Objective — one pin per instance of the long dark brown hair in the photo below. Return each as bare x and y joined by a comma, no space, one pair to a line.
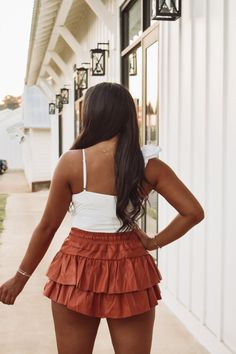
109,110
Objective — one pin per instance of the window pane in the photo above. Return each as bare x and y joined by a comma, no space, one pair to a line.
152,94
151,120
135,82
134,22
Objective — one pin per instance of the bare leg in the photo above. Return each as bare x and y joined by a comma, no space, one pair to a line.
132,334
75,332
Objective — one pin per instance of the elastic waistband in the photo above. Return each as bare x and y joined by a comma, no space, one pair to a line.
109,236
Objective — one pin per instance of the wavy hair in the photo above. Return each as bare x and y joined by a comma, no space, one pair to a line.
109,110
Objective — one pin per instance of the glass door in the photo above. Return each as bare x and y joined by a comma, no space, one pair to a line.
150,113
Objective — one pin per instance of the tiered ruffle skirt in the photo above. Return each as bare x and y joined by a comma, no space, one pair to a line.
103,275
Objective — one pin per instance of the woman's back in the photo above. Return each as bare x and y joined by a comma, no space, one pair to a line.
93,190
100,169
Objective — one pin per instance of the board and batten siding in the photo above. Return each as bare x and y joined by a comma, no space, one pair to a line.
197,136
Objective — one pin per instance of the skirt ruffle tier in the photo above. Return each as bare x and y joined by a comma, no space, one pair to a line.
103,275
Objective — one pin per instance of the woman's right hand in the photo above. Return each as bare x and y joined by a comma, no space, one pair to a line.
11,289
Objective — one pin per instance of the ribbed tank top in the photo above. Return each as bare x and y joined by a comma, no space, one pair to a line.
96,212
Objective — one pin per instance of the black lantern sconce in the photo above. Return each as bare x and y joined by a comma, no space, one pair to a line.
64,95
133,64
59,104
51,108
81,78
98,56
166,10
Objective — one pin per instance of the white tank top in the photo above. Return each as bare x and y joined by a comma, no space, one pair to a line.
96,212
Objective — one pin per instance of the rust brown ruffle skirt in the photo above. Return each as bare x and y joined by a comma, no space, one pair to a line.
103,275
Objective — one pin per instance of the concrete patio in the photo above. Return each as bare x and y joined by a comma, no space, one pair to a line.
27,327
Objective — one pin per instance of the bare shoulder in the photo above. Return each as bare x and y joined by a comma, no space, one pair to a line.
158,171
68,162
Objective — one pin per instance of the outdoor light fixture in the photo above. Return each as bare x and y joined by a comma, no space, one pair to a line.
52,108
59,103
133,64
168,10
81,78
98,56
65,95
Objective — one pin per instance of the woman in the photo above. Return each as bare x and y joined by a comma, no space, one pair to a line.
103,268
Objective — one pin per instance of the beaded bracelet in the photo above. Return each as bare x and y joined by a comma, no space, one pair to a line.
155,242
23,272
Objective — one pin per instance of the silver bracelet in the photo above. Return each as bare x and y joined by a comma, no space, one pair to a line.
23,273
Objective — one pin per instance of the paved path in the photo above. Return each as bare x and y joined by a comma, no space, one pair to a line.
27,326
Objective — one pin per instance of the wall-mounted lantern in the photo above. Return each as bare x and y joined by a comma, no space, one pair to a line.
59,104
52,108
98,56
81,78
133,64
168,10
65,95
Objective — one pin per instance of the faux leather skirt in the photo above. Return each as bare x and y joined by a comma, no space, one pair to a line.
106,275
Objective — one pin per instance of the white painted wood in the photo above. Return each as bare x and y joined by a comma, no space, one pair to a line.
51,72
43,89
62,65
198,115
214,157
44,84
200,145
37,162
71,41
101,11
228,331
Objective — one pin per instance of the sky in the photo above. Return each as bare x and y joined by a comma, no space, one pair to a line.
15,23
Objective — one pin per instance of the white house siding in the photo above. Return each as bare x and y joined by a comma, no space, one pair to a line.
37,152
10,149
197,134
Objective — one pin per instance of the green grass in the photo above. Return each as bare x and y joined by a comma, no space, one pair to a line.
3,199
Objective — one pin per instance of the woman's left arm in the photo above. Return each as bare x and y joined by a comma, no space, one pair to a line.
56,207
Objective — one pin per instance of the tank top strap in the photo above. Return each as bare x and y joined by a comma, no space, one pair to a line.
84,170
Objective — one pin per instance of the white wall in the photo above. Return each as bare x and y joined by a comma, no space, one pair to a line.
197,134
36,151
10,149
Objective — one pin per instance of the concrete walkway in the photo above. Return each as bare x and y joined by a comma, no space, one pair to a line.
27,326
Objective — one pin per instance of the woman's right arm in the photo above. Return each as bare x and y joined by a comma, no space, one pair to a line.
190,212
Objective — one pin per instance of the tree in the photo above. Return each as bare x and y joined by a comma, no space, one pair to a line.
10,102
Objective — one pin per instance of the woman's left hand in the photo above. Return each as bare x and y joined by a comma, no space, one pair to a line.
11,289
